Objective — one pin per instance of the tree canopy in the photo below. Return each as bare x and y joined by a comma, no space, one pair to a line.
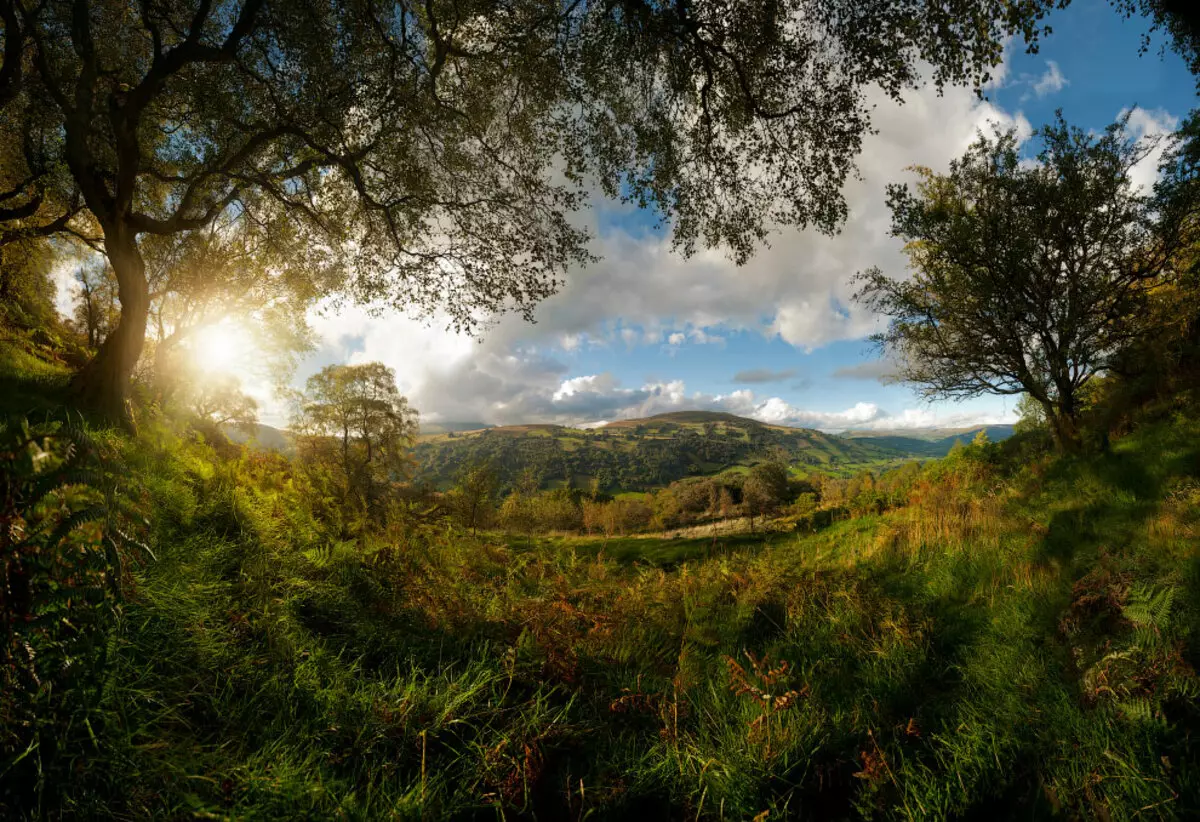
353,421
429,155
1027,277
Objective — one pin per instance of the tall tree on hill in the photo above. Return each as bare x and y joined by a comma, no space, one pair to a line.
353,420
475,493
765,489
1026,278
431,152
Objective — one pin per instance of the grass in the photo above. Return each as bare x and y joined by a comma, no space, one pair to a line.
658,551
1017,642
29,384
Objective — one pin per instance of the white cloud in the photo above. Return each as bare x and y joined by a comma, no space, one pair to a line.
66,286
1050,82
1154,125
798,289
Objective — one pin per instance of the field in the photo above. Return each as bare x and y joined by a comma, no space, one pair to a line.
1015,641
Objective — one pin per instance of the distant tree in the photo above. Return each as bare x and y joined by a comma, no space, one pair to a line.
432,151
1028,278
765,489
1030,415
219,400
519,512
666,509
630,515
96,310
558,510
474,494
723,504
352,418
695,496
594,516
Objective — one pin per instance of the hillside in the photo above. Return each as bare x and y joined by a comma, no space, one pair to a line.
937,654
928,442
639,454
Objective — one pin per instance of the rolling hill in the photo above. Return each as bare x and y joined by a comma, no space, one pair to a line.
928,442
639,454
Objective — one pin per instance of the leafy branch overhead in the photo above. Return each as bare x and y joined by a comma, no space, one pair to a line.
431,154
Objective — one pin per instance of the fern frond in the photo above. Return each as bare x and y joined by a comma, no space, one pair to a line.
1149,606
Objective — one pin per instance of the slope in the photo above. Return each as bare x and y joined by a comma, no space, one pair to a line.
639,454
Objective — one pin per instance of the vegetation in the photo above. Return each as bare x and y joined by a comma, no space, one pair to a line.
930,655
429,154
1029,279
639,455
355,427
691,616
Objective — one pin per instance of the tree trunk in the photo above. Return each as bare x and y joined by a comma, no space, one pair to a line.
103,384
1066,433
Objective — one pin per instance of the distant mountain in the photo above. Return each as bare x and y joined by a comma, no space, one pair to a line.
928,442
263,436
431,428
638,454
686,418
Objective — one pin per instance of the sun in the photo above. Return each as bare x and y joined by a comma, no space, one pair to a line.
223,348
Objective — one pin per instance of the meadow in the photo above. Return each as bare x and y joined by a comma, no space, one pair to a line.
1017,640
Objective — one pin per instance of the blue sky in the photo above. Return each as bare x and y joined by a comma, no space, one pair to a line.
644,331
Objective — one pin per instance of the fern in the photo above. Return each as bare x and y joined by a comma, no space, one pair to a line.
1138,709
1149,606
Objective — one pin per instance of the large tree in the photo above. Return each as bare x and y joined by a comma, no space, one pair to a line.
353,421
1026,277
432,151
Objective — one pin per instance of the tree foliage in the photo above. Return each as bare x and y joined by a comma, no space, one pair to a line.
474,495
353,420
26,291
219,399
96,311
1027,278
429,155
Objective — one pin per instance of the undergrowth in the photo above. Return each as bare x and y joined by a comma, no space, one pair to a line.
1017,640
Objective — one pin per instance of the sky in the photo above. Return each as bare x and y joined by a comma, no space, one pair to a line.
646,331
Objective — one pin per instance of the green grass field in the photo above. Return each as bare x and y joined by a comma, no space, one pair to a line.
1019,641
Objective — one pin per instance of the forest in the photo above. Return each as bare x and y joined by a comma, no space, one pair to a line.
686,615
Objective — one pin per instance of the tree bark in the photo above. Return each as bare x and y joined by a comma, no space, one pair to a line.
1066,432
103,384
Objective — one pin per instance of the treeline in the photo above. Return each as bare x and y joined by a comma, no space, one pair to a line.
767,492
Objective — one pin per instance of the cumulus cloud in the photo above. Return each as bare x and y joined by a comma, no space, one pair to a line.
1152,127
641,292
799,287
762,375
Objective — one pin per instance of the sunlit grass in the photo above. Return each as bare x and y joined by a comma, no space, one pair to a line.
1016,642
